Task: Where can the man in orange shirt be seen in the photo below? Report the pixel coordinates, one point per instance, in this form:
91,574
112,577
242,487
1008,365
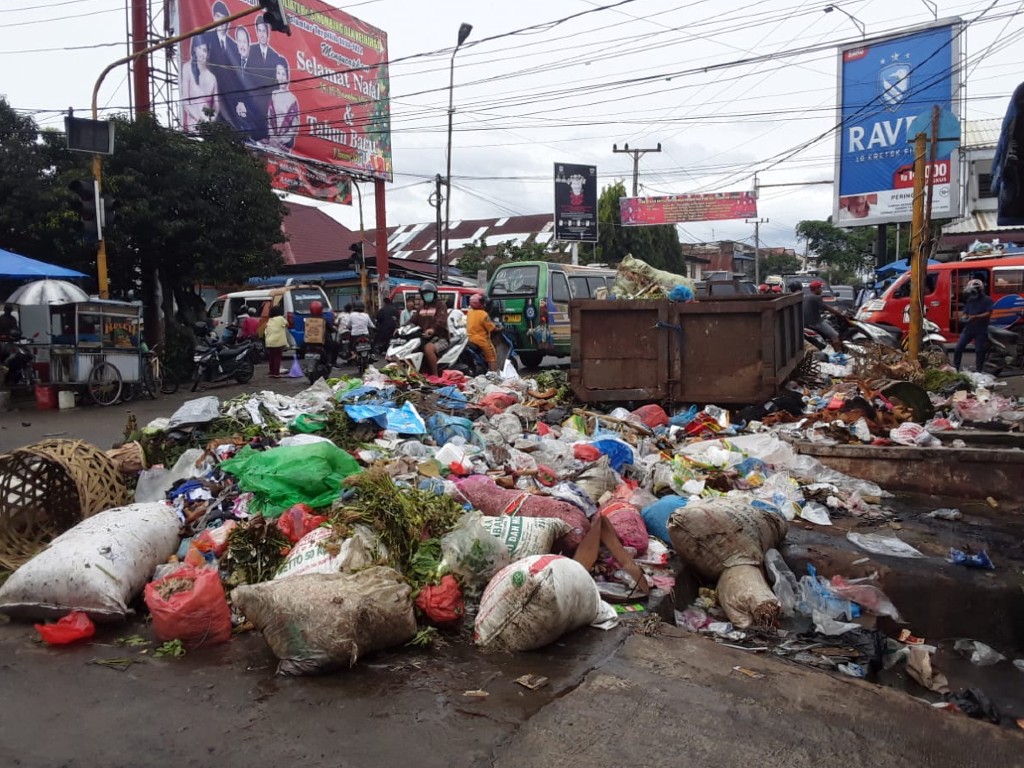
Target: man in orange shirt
479,327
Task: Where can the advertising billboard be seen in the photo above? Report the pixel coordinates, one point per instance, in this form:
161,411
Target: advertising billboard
576,203
678,209
320,94
888,89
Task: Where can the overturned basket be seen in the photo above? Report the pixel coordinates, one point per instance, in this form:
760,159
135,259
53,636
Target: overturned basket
48,487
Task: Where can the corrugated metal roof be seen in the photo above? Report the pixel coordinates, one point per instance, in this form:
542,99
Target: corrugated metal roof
981,221
978,134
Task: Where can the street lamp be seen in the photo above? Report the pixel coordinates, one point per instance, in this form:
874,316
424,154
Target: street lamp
850,16
464,30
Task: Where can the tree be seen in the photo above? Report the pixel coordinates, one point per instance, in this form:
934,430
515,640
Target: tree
844,253
478,255
777,264
658,246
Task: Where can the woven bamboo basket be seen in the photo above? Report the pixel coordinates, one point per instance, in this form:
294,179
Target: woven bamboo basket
48,487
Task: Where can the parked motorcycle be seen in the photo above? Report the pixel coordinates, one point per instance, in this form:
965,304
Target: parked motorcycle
407,347
214,361
16,360
1005,350
362,352
854,334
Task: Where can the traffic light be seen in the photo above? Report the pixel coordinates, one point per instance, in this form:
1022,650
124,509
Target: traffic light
84,204
356,258
274,15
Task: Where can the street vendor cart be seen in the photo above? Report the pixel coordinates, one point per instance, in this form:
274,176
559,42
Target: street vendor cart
93,345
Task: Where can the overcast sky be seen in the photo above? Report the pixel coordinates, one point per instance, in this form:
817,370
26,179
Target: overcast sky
643,72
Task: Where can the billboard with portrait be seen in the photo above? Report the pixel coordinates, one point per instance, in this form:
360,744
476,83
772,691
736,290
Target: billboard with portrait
576,203
319,95
679,209
888,91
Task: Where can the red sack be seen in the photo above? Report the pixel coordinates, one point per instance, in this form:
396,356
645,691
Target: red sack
651,415
298,521
68,629
628,524
497,402
442,604
586,452
195,612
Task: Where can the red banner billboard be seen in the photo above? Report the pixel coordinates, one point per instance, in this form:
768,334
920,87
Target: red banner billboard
678,209
321,94
308,179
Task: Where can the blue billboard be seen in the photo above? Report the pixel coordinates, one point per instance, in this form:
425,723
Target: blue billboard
888,90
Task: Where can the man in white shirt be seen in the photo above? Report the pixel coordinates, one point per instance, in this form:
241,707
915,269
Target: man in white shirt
360,323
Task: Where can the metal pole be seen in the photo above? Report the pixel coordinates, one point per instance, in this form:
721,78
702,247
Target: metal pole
140,72
362,245
637,154
914,331
882,246
757,246
383,276
97,160
575,251
440,254
448,157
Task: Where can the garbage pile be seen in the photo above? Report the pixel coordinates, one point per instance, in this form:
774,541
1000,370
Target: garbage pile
365,514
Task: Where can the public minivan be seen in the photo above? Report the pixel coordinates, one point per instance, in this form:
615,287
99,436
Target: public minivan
224,310
533,300
458,295
943,294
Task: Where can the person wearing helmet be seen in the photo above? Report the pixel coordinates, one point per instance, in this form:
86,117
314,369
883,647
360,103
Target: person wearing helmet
387,323
432,318
249,328
360,323
814,309
479,327
975,314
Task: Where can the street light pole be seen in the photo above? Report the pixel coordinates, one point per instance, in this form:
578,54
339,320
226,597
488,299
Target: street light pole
464,30
850,16
97,160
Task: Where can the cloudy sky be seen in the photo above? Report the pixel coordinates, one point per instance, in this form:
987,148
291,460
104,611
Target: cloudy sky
728,87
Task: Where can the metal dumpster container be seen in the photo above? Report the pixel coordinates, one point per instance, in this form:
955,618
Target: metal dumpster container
718,350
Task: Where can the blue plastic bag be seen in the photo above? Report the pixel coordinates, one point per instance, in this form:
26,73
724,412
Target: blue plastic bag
980,560
405,420
684,418
443,428
619,453
657,514
680,293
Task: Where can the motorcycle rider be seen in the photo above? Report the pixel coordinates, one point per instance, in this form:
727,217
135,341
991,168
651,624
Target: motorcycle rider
432,319
479,327
976,313
813,308
360,323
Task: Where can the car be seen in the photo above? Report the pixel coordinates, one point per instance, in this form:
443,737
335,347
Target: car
827,294
846,296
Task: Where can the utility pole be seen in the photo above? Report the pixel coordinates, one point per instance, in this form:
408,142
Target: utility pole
637,154
757,246
916,238
438,202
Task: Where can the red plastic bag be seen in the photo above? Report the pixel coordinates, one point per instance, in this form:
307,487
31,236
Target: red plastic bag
67,629
497,402
586,452
298,521
189,605
215,539
442,604
546,476
651,415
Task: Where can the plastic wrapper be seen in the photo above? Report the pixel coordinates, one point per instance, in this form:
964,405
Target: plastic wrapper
295,522
977,652
471,553
867,596
816,513
980,560
202,410
784,583
877,544
68,629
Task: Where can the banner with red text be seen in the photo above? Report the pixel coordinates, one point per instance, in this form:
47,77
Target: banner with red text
320,94
677,209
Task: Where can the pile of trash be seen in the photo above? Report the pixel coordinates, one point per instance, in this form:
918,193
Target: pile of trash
365,514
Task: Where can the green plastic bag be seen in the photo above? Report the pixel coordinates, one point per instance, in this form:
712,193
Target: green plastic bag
282,477
308,423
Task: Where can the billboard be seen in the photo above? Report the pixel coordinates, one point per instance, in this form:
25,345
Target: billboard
576,203
320,95
677,209
888,89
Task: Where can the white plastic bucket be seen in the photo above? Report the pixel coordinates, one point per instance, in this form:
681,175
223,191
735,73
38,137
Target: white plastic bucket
65,399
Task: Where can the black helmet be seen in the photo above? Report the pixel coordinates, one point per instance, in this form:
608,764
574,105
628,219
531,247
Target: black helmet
358,306
428,287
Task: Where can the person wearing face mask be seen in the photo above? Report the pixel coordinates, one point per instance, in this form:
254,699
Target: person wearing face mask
976,313
432,318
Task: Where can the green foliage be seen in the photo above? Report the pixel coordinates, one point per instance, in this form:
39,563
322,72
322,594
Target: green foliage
658,246
479,255
776,264
842,253
173,649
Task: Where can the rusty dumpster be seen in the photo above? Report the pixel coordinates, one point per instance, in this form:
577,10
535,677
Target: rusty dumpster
718,350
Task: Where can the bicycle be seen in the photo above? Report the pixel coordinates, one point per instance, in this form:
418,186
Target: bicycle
156,376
